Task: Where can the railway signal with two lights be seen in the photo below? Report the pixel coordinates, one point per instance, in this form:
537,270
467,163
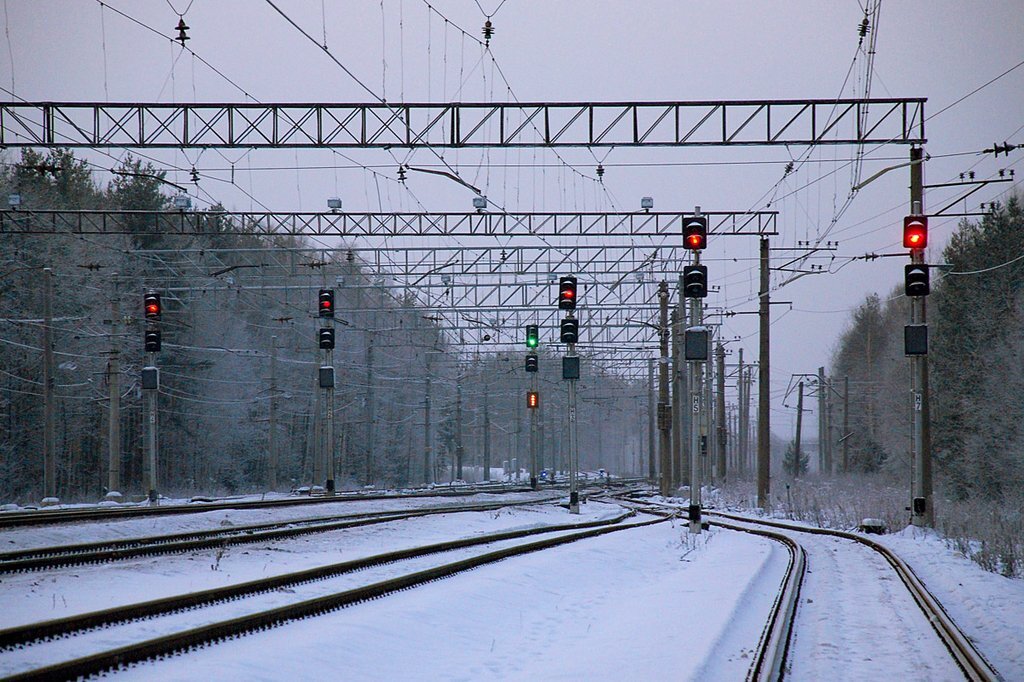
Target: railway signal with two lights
695,233
567,293
326,305
151,305
695,281
915,231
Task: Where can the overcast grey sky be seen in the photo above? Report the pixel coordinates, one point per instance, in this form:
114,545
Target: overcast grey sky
574,50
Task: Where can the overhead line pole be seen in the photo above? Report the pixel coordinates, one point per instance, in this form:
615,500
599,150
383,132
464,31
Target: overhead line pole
764,384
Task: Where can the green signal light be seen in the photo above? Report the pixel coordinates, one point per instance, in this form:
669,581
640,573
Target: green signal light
532,337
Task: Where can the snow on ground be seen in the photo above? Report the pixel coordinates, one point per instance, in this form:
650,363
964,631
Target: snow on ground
44,595
986,606
647,603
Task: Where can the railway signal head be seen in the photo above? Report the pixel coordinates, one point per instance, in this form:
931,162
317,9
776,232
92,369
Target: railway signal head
326,338
915,280
532,336
152,341
532,399
570,330
567,293
915,231
695,281
326,306
695,233
151,305
531,362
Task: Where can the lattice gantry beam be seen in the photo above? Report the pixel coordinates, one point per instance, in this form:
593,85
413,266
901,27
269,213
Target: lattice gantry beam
381,224
412,125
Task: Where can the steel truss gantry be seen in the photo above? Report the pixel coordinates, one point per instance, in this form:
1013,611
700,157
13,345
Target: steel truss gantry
595,224
479,124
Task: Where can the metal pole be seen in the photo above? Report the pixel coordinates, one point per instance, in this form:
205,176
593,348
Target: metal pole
49,440
664,409
764,452
741,420
114,420
922,513
370,409
272,436
329,439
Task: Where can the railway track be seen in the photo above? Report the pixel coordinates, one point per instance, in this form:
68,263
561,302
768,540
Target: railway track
968,659
40,517
771,654
26,642
43,558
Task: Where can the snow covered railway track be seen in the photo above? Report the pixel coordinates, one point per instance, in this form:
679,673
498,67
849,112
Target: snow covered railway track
968,659
24,643
42,558
772,651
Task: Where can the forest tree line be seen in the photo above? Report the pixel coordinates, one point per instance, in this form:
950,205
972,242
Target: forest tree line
976,365
227,295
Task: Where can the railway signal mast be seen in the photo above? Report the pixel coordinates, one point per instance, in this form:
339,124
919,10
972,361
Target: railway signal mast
152,309
917,286
571,373
532,397
696,349
325,338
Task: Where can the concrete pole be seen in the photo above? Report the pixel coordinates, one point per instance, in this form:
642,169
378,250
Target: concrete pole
49,439
487,432
371,409
922,513
846,424
329,438
664,409
764,385
741,419
695,375
272,436
459,450
675,323
824,466
533,436
652,466
574,442
799,424
722,442
427,449
114,419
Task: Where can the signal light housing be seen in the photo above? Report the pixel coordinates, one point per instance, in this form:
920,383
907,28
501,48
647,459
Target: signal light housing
531,362
570,330
152,341
695,233
326,305
532,400
532,336
151,305
325,337
695,281
916,280
915,231
567,293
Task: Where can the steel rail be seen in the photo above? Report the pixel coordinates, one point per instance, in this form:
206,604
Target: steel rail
41,558
971,662
185,640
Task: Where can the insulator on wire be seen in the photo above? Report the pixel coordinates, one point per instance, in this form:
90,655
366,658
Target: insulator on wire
600,171
488,32
182,37
401,173
195,174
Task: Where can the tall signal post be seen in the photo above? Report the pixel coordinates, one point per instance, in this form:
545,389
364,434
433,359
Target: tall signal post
696,350
533,398
325,339
571,373
915,238
153,310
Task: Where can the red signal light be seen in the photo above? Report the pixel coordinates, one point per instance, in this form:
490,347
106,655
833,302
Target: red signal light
695,233
151,305
915,232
